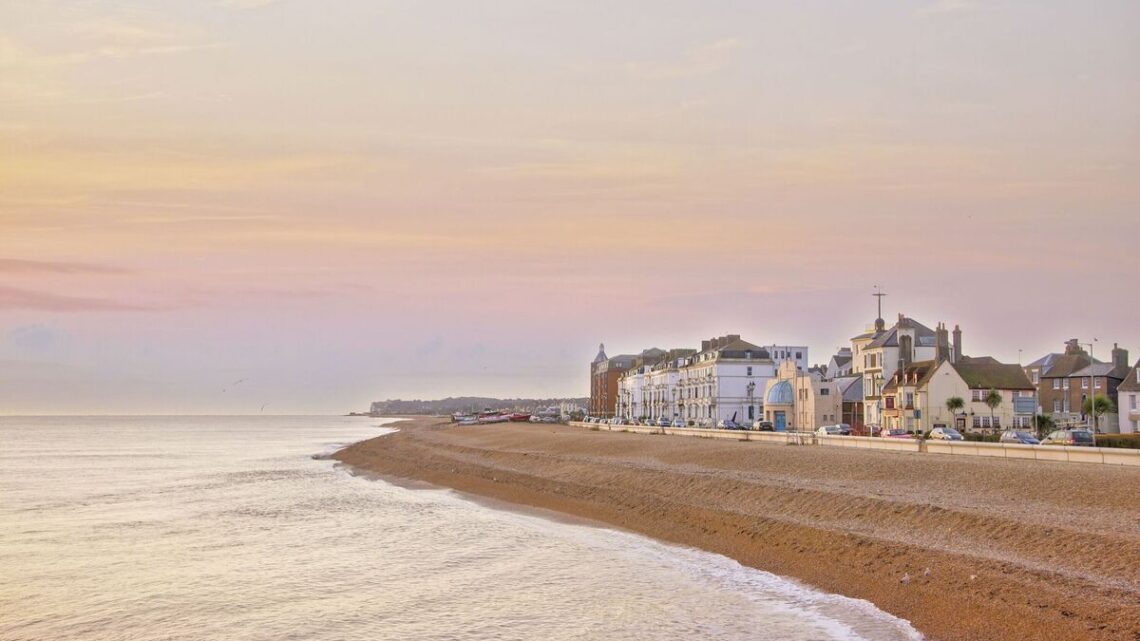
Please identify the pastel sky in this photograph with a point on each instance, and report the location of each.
(308, 205)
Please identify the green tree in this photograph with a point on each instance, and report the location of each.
(1044, 424)
(955, 405)
(1098, 406)
(992, 400)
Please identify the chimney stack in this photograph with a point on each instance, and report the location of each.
(941, 344)
(957, 355)
(1119, 358)
(1073, 346)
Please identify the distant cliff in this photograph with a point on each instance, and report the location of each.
(468, 404)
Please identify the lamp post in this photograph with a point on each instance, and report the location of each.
(751, 392)
(1092, 392)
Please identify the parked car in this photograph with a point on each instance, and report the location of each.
(895, 433)
(677, 423)
(1018, 436)
(945, 434)
(663, 421)
(764, 426)
(1081, 437)
(834, 430)
(729, 424)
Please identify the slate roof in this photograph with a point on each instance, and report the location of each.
(923, 369)
(923, 335)
(1131, 381)
(980, 360)
(1045, 361)
(737, 348)
(1103, 369)
(987, 373)
(853, 392)
(1064, 365)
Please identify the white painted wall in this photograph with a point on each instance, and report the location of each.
(1128, 411)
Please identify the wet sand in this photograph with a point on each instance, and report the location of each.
(1016, 550)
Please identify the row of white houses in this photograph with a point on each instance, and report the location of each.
(726, 378)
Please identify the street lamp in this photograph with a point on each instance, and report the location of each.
(751, 392)
(1092, 391)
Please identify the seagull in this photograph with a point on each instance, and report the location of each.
(973, 576)
(905, 579)
(926, 572)
(233, 384)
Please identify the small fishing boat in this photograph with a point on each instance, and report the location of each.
(519, 417)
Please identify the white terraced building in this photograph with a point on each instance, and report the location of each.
(725, 378)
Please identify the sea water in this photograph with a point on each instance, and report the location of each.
(197, 528)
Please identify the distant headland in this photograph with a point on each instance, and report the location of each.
(452, 405)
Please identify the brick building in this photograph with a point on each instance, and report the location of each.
(1065, 380)
(604, 375)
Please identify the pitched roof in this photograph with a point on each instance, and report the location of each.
(1131, 382)
(601, 354)
(922, 369)
(1102, 369)
(1045, 361)
(987, 373)
(923, 335)
(987, 360)
(841, 360)
(852, 387)
(737, 348)
(1064, 365)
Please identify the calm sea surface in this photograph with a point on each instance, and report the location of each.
(227, 528)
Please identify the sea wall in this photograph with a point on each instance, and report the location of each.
(1101, 455)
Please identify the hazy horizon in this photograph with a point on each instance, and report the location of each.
(211, 207)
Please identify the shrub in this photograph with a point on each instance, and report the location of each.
(981, 438)
(1129, 441)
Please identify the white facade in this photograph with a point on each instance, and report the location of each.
(1128, 402)
(781, 353)
(661, 391)
(1129, 412)
(876, 356)
(725, 379)
(631, 394)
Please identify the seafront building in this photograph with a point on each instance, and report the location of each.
(895, 377)
(915, 398)
(1128, 402)
(604, 375)
(724, 379)
(880, 351)
(802, 400)
(1065, 380)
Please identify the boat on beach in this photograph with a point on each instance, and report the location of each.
(493, 416)
(519, 417)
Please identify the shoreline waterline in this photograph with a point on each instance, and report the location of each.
(828, 611)
(823, 519)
